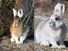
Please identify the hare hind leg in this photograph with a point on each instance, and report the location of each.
(46, 43)
(61, 43)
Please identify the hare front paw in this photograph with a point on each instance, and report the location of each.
(62, 46)
(45, 43)
(58, 46)
(12, 39)
(18, 42)
(55, 46)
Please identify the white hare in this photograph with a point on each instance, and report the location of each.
(18, 34)
(53, 30)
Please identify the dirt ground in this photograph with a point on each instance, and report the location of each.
(6, 45)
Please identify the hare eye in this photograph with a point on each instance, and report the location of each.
(19, 20)
(57, 19)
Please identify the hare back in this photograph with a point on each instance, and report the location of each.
(42, 24)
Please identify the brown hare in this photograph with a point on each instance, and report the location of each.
(18, 34)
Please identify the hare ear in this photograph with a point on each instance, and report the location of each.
(20, 13)
(59, 9)
(14, 12)
(62, 9)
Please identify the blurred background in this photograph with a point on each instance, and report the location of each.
(46, 7)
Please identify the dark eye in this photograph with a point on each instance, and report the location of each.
(19, 20)
(57, 18)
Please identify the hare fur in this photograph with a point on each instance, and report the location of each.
(53, 30)
(18, 34)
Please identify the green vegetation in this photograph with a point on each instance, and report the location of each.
(1, 30)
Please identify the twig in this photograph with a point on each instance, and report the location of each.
(28, 15)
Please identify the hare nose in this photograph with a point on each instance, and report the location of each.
(52, 24)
